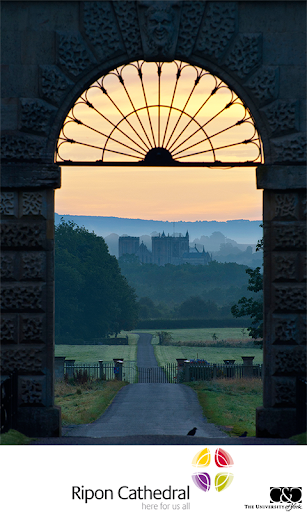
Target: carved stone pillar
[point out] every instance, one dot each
(284, 222)
(27, 292)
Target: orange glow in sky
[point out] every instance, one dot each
(159, 193)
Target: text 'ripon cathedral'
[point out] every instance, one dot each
(165, 249)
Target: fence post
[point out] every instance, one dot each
(118, 368)
(70, 367)
(180, 369)
(100, 369)
(186, 371)
(214, 371)
(59, 368)
(248, 366)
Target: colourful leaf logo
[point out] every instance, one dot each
(222, 481)
(202, 481)
(202, 459)
(222, 458)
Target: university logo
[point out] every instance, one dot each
(202, 460)
(286, 495)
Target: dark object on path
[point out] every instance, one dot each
(244, 434)
(192, 432)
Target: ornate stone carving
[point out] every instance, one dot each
(285, 266)
(25, 359)
(7, 204)
(286, 205)
(218, 27)
(289, 362)
(21, 235)
(190, 21)
(7, 266)
(54, 84)
(290, 149)
(31, 391)
(21, 298)
(304, 204)
(290, 298)
(289, 235)
(284, 392)
(303, 329)
(101, 29)
(264, 84)
(8, 329)
(21, 148)
(127, 17)
(36, 116)
(286, 332)
(33, 265)
(282, 116)
(73, 55)
(159, 24)
(245, 55)
(32, 203)
(32, 328)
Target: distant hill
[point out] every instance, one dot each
(242, 231)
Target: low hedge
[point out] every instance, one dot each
(190, 323)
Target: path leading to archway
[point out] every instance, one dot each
(149, 409)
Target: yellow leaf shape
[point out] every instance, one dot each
(222, 481)
(202, 458)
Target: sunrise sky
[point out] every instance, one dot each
(159, 193)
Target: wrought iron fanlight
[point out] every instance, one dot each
(159, 113)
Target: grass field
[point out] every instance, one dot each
(94, 353)
(231, 335)
(85, 403)
(230, 403)
(168, 354)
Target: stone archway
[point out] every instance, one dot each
(52, 53)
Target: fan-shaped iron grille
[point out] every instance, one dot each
(159, 113)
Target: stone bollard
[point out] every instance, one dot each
(59, 368)
(70, 368)
(180, 369)
(100, 369)
(186, 373)
(118, 368)
(248, 366)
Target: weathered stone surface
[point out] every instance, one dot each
(289, 298)
(159, 26)
(286, 205)
(27, 360)
(289, 235)
(264, 84)
(32, 175)
(127, 18)
(9, 329)
(8, 265)
(282, 116)
(33, 265)
(245, 55)
(286, 329)
(277, 422)
(285, 266)
(73, 55)
(31, 390)
(290, 149)
(16, 297)
(8, 203)
(289, 361)
(218, 28)
(32, 328)
(32, 203)
(36, 116)
(190, 21)
(22, 235)
(284, 392)
(54, 85)
(280, 177)
(21, 148)
(101, 29)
